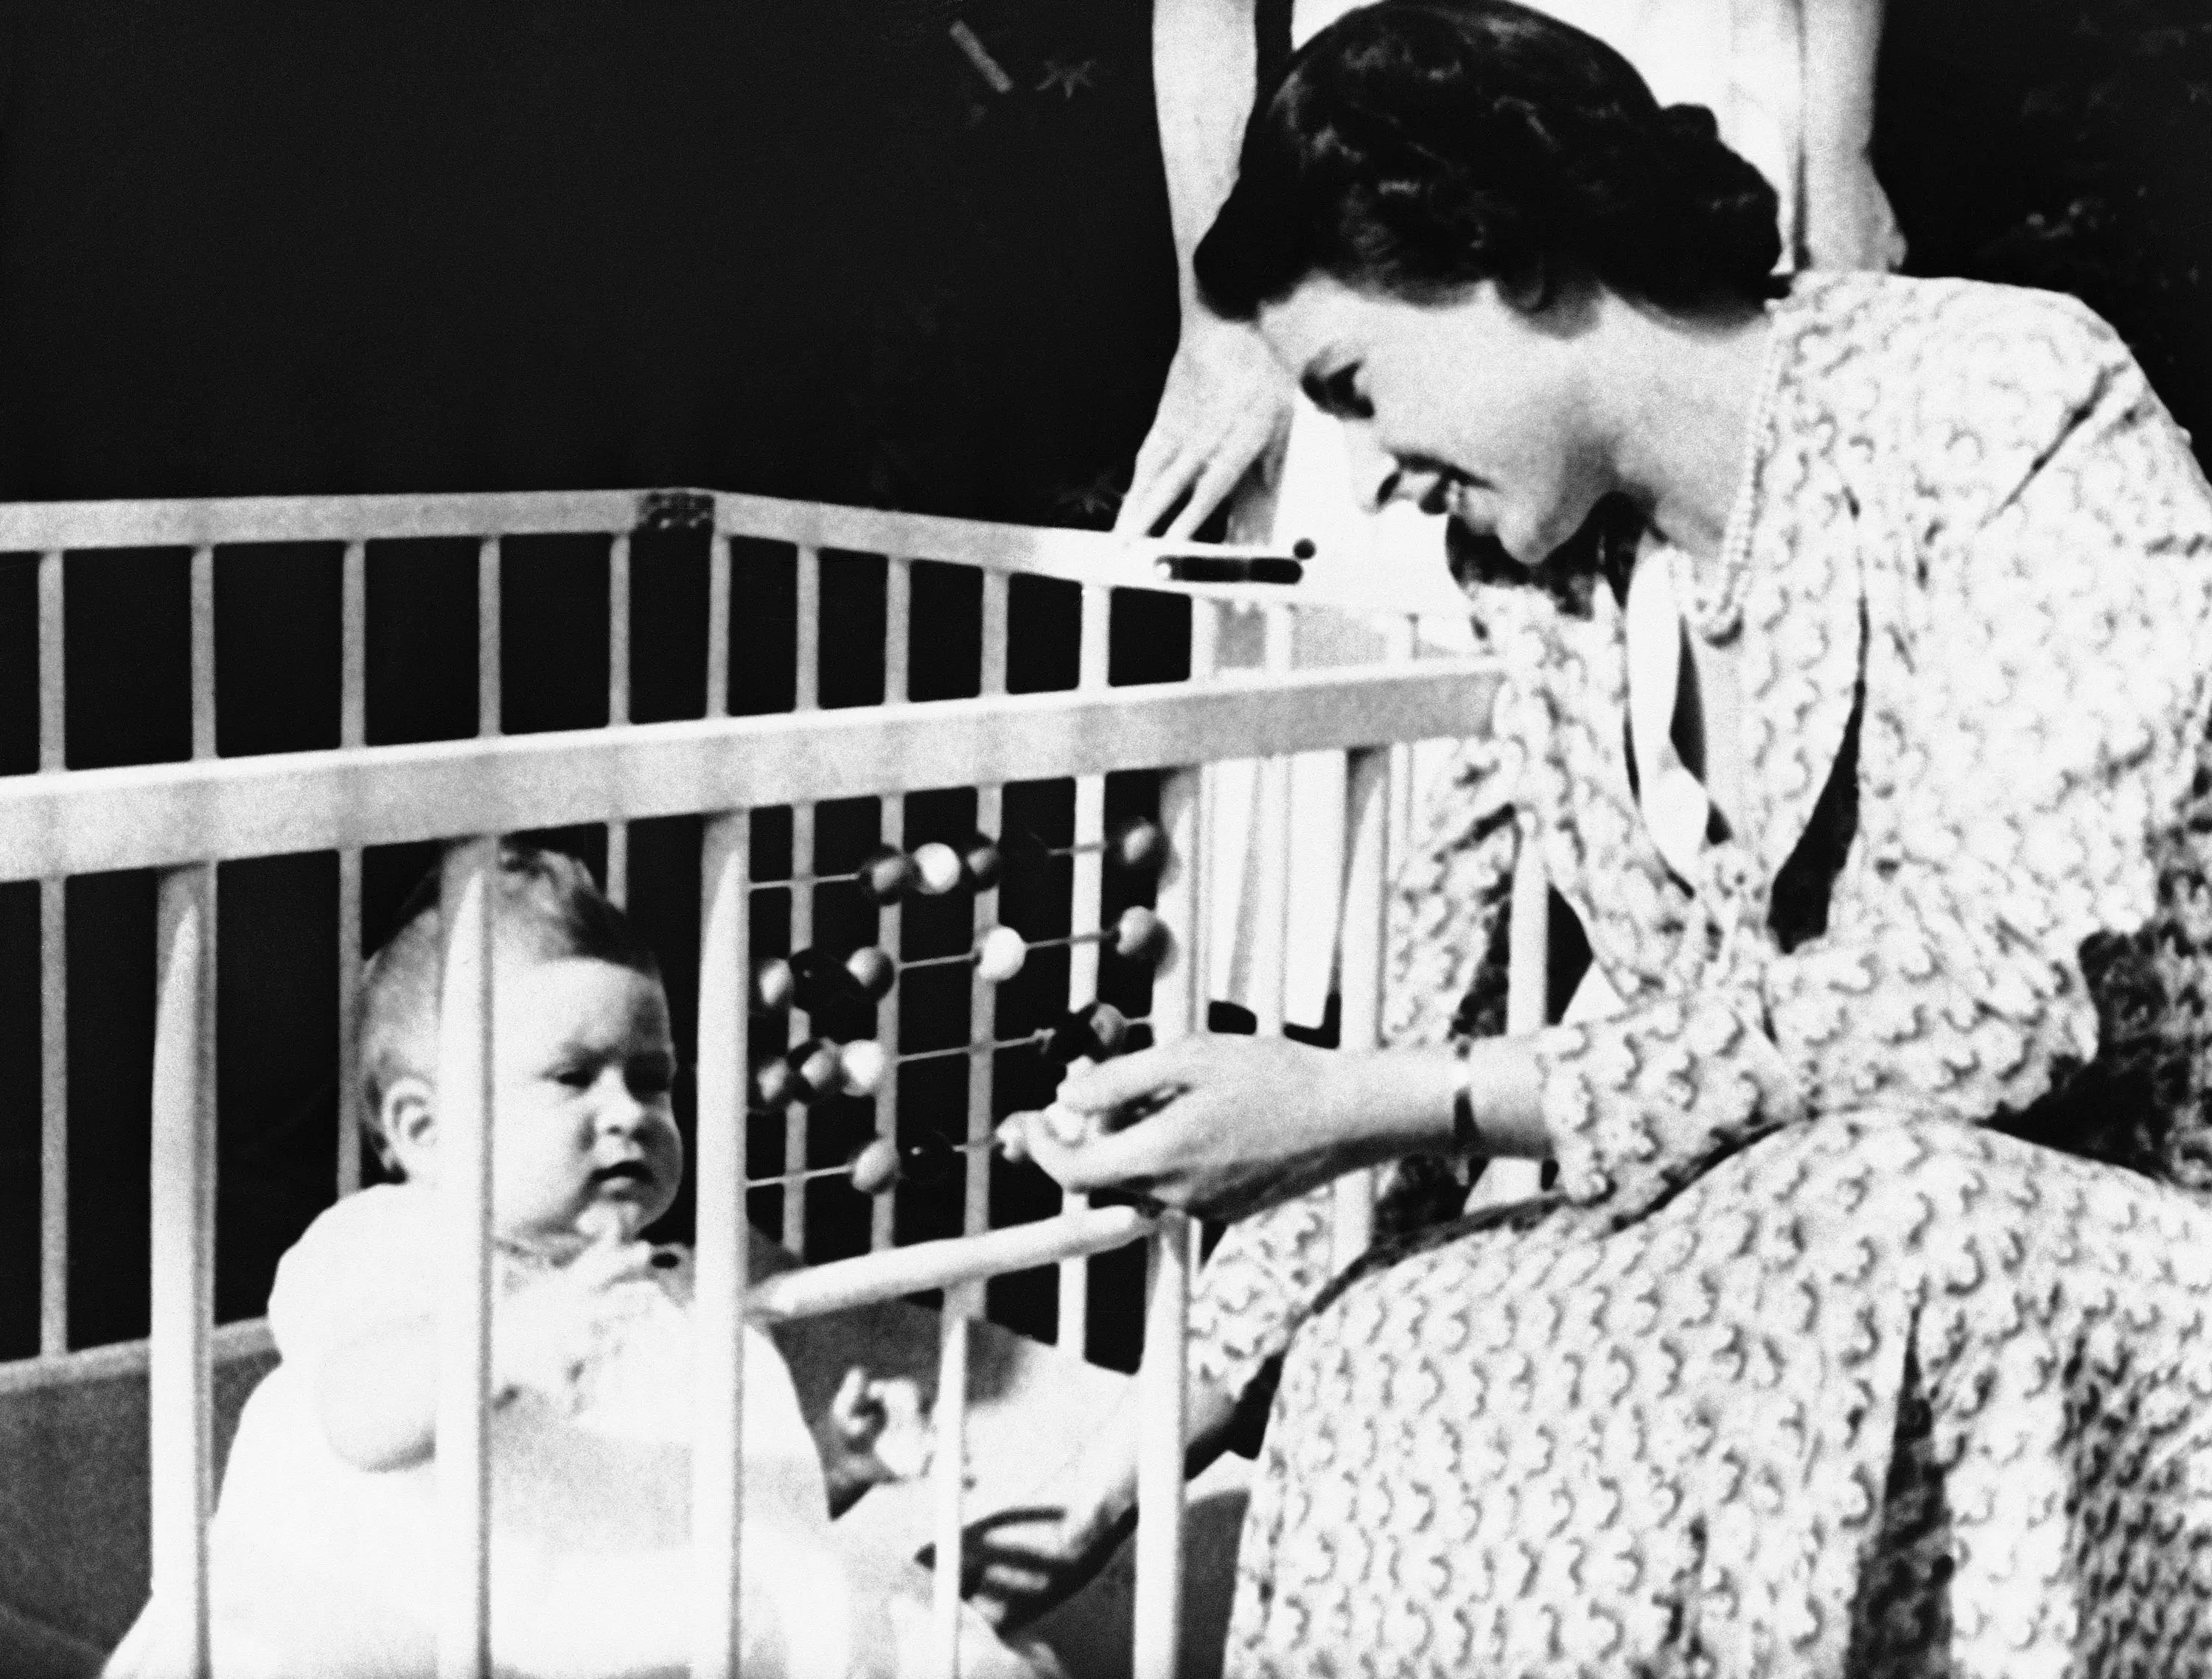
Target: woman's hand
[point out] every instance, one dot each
(1225, 1127)
(1224, 406)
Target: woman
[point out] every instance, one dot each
(1857, 648)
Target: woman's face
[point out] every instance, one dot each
(1469, 407)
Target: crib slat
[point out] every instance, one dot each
(718, 1460)
(53, 986)
(618, 700)
(488, 637)
(806, 696)
(180, 1381)
(717, 626)
(1527, 988)
(464, 1098)
(1094, 639)
(1367, 873)
(890, 920)
(1271, 842)
(203, 610)
(1178, 1007)
(948, 1484)
(353, 730)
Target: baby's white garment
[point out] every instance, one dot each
(320, 1567)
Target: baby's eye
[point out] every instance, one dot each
(652, 1078)
(576, 1077)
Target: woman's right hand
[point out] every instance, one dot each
(1225, 406)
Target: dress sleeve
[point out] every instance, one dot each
(2036, 692)
(367, 1261)
(1446, 970)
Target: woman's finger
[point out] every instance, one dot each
(1151, 493)
(1126, 1159)
(1225, 466)
(1145, 1075)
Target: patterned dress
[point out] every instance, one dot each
(1865, 1330)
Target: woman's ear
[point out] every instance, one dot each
(407, 1117)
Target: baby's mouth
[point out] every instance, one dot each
(624, 1172)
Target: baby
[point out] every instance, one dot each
(326, 1559)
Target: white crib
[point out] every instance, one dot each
(182, 819)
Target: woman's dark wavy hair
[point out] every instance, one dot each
(1418, 146)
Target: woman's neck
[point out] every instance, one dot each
(1686, 392)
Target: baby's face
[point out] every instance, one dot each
(583, 1065)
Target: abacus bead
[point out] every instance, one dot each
(876, 1167)
(887, 876)
(815, 1067)
(873, 970)
(775, 984)
(1139, 846)
(777, 1083)
(938, 866)
(983, 864)
(862, 1064)
(1001, 956)
(1110, 1030)
(1139, 934)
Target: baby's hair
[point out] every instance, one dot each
(545, 907)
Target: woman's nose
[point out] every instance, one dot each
(1375, 475)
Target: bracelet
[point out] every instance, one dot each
(1466, 1136)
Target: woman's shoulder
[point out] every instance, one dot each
(1937, 336)
(1961, 390)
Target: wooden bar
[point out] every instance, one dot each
(951, 1263)
(1360, 969)
(948, 1485)
(1080, 556)
(180, 1376)
(488, 638)
(157, 815)
(618, 615)
(1528, 987)
(718, 1457)
(53, 982)
(353, 731)
(806, 698)
(1161, 1403)
(53, 1117)
(1086, 887)
(1179, 1007)
(463, 1617)
(890, 920)
(718, 627)
(982, 995)
(202, 656)
(1271, 842)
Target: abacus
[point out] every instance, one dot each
(799, 1021)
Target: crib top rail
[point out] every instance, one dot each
(1095, 558)
(154, 816)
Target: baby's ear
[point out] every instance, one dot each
(407, 1118)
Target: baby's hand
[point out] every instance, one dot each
(873, 1431)
(545, 1332)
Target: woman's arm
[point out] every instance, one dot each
(1225, 406)
(1228, 1126)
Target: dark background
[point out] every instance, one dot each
(805, 247)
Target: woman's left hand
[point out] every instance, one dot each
(1222, 1127)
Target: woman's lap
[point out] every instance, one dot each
(1875, 1395)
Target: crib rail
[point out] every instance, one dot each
(180, 819)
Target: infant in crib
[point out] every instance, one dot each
(324, 1549)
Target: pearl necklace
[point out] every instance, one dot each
(1714, 608)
